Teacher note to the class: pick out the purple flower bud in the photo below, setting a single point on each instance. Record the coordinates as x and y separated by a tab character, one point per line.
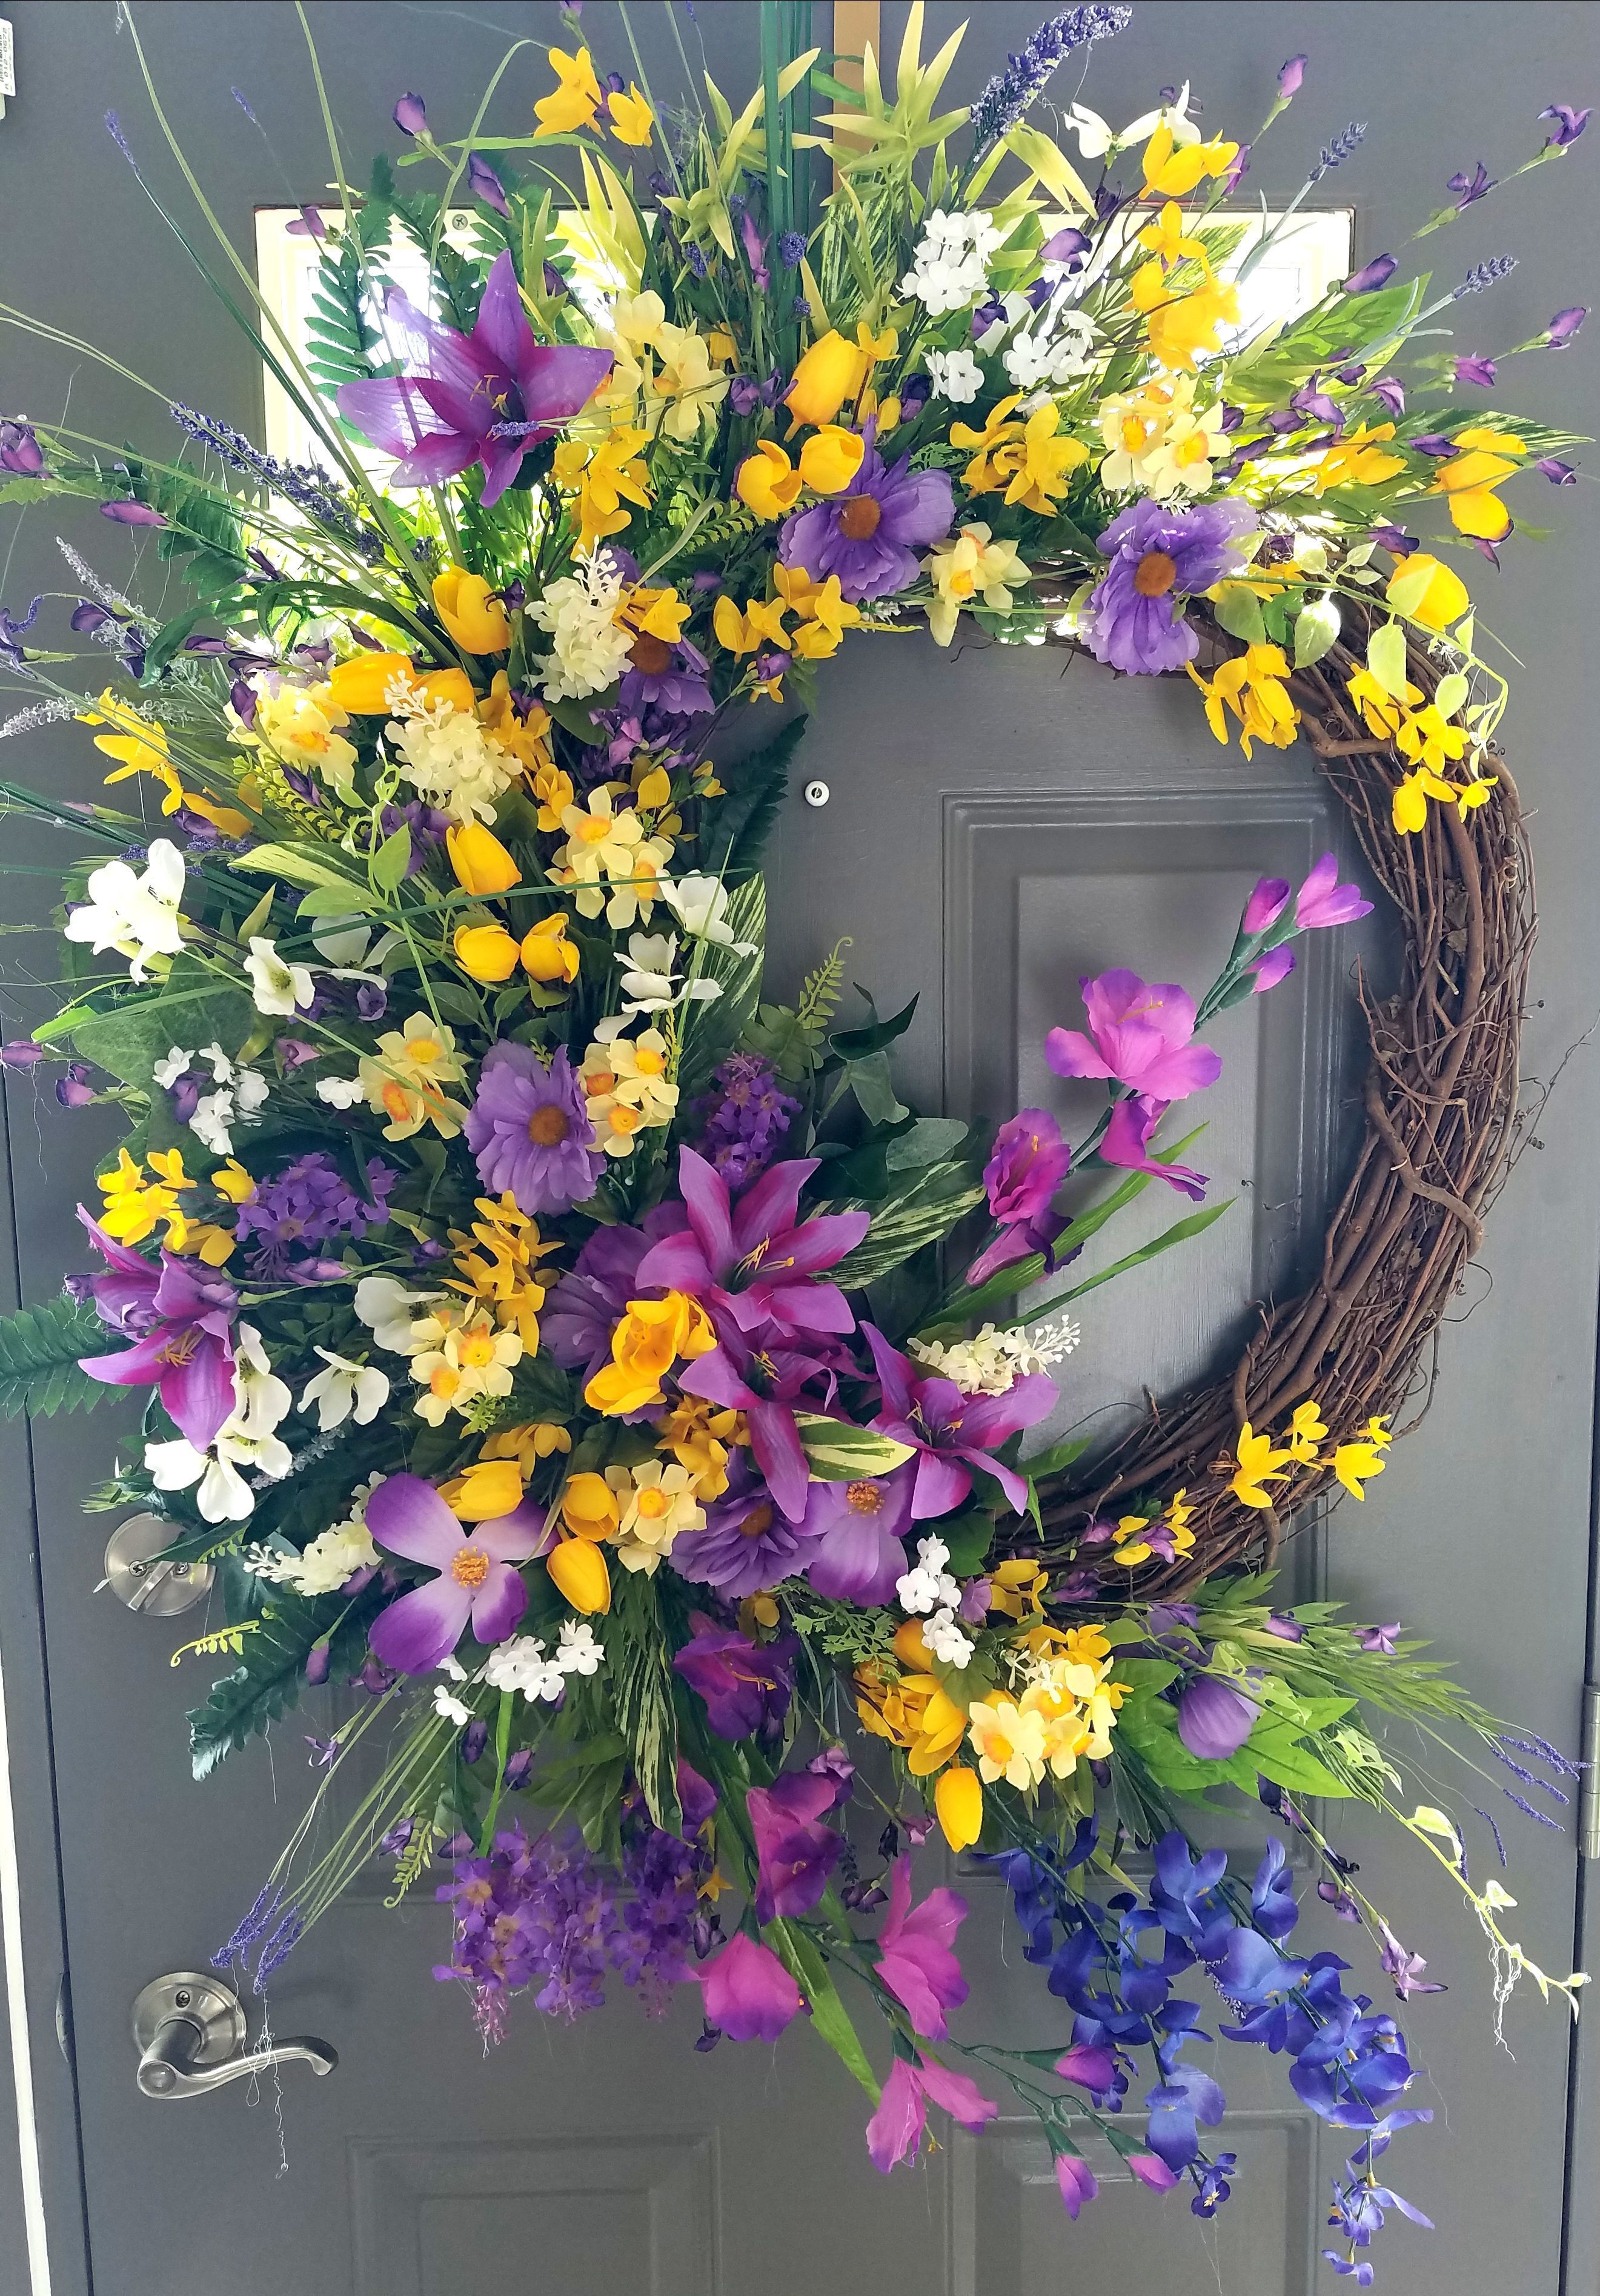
1066	248
518	1769
1214	1719
1233	418
20	450
318	1659
989	313
74	1089
474	1738
295	1053
243	700
554	284
1350	375
372	1000
974	1601
744	394
1395	539
484	185
308	224
1559	473
1564	325
1276	964
132	514
1471	188
1376	274
21	1052
1392	392
1431	442
1286	1629
410	115
755	250
1239	167
916	394
398	1838
1290	77
1077	1587
1568	124
1266	905
1478	371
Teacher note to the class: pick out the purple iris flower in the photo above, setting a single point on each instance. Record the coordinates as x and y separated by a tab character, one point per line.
668	676
746	1686
478	1578
953	1433
1564	325
916	1957
1159	554
530	1132
749	1262
747	1545
749	1994
1479	370
768	1383
1568	124
1321	900
1559	473
20	449
484	398
795	1851
1470	188
484	185
180	1319
410	115
1371	275
1142	1037
1030	1161
870	535
857	1527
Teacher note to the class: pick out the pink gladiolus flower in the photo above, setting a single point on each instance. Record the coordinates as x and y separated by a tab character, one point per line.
1141	1037
477	1575
896	2129
1150	2170
1323	901
916	1958
1076	2181
1266	905
1274	965
1126	1143
748	1994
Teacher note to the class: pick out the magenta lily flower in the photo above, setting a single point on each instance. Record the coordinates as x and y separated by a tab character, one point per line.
746	1686
952	1433
749	1262
1126	1143
484	398
767	1384
180	1317
477	1579
1321	900
917	1957
748	1994
1141	1037
795	1852
896	2129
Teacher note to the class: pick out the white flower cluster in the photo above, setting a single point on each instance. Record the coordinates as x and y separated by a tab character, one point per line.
950	269
1052	353
929	1592
240	1096
447	757
993	1362
590	647
331	1557
955	375
521	1664
137	916
246	1438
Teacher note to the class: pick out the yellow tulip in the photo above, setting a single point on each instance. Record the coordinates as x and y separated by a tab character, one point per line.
958	1803
481	863
478	622
485	952
451	685
589	1507
1444	600
768	481
360	684
828	375
644	1345
579	1572
831	459
485	1491
547	955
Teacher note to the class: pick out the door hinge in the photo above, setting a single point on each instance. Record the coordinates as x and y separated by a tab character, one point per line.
1588	1792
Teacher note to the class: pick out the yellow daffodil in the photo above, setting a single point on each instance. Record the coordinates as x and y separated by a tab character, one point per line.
604	848
1251	685
485	952
1306	1432
689	388
971	568
629	1089
548	955
1025	459
1357	460
139	746
768	481
761	624
831	458
958	1805
553	793
829	372
467	1362
575	102
1009	1742
578	1571
302	725
645	1344
528	738
404	1078
1258	1464
1180	330
481	863
655	1502
603	478
1174	169
474	616
630	117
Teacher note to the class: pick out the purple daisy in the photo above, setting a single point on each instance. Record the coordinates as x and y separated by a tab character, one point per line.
671	677
869	536
531	1131
1158	555
747	1545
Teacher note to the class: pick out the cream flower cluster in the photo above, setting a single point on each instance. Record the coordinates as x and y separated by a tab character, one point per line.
590	647
332	1557
446	756
992	1362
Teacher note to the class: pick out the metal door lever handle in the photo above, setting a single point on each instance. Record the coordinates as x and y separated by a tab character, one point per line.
190	2031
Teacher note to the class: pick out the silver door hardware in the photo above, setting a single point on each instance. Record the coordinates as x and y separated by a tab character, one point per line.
189	2030
160	1589
1588	1791
816	793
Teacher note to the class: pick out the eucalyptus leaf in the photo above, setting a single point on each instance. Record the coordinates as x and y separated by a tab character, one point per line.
1316	628
1386	658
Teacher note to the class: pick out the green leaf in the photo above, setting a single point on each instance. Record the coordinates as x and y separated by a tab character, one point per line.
857	1044
1239	611
840	1452
929	1141
1316	627
639	1660
1150	1727
1386	658
969	1537
1180	1231
921	1215
1275	1748
257	918
873	1087
267	1682
39	1351
302	864
739	826
191	1007
391	860
1056	1460
1451	692
802	1958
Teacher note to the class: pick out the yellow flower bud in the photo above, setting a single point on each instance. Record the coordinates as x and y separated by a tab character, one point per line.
579	1572
655	790
644	1345
481	863
485	952
768	481
477	623
958	1803
829	373
589	1507
831	459
909	1647
547	955
486	1490
451	685
359	686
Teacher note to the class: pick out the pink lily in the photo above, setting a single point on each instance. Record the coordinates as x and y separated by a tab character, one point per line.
1141	1037
916	1961
477	1575
180	1317
896	2129
750	1262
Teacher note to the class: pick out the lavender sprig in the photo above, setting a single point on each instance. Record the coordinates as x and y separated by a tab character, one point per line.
1009	94
1484	274
310	490
1341	148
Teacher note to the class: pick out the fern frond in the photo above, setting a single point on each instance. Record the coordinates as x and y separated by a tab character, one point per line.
821	991
40	1352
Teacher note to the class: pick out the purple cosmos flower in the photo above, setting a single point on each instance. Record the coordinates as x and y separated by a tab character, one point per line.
747	1545
746	1686
1471	188
20	449
1160	553
1141	1039
1371	275
749	1263
132	514
745	1115
180	1317
870	535
895	2130
1478	371
1568	124
857	1529
1559	473
1379	1639
529	1129
916	1958
410	115
1391	391
1564	325
1214	1719
795	1851
584	1307
1030	1161
768	1383
1269	898
952	1433
1291	76
748	1994
666	677
484	398
477	1575
1321	900
484	185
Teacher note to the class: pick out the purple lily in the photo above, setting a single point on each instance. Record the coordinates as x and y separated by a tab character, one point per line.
745	1686
767	1384
1382	1639
180	1317
795	1852
1404	1968
477	1579
585	1305
952	1433
1126	1144
484	398
858	1528
1141	1037
749	1263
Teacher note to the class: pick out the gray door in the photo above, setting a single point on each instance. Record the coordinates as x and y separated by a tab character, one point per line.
997	823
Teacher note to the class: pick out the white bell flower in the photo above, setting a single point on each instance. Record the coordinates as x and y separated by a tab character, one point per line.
699	904
135	915
276	986
344	1390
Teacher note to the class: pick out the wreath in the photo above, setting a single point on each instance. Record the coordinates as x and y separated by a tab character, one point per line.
566	1348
